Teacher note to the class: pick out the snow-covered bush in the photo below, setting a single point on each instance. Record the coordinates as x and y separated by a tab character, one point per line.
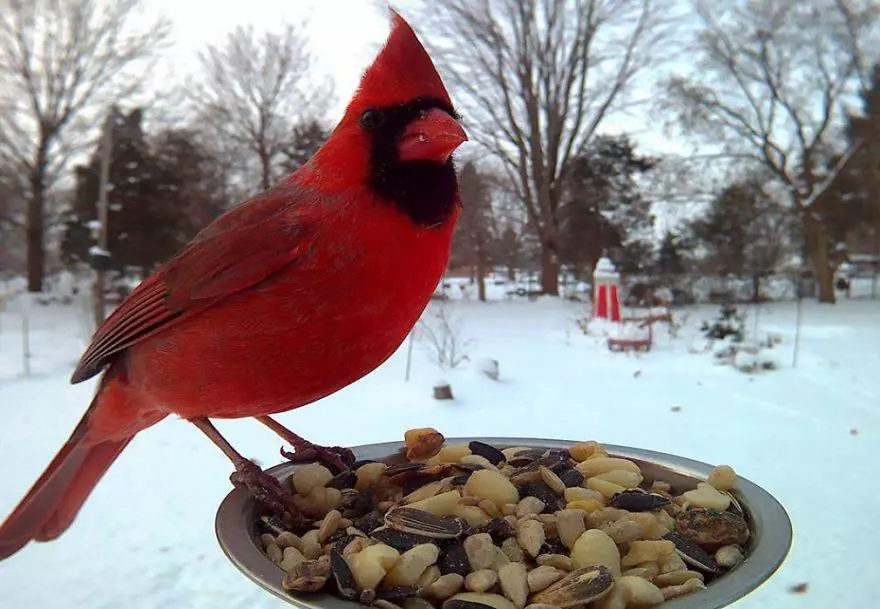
753	358
728	323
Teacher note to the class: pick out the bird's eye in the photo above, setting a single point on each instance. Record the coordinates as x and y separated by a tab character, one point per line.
371	119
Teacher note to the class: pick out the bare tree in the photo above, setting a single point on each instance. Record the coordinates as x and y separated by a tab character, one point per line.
771	82
59	61
538	79
473	234
252	91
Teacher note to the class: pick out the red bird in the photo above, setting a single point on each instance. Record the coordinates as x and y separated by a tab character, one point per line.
284	299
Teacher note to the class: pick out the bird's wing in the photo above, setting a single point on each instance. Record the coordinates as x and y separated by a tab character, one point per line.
241	248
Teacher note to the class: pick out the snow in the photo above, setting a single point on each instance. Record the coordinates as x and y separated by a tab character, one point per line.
145	537
489	367
745	360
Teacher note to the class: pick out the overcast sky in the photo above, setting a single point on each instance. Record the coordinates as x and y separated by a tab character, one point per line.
344	35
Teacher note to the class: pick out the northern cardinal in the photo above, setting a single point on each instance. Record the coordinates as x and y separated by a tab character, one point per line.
284	299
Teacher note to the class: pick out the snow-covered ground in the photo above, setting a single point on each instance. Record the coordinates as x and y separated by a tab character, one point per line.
145	538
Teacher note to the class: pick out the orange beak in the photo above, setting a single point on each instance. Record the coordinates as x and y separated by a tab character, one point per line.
431	137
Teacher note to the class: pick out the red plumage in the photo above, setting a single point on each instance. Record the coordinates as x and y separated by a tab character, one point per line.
283	300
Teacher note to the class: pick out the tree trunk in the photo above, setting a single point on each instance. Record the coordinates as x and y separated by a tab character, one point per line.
511	272
481	274
35	212
817	248
265	170
756	288
549	269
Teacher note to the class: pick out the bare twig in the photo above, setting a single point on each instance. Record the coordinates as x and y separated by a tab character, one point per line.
773	80
251	92
444	338
537	80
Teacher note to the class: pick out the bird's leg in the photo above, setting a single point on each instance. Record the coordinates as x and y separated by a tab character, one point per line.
337	458
264	488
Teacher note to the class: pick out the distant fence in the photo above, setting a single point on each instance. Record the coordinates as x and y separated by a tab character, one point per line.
698	288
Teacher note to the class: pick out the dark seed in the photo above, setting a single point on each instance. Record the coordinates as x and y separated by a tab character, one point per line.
456	603
406	466
365	503
343	480
399	540
489	452
736	507
555	462
637	500
692	554
553	545
414	485
454	560
540	490
469	468
499	528
370	522
397	593
461	479
342	575
273	525
519	462
337	536
524	457
571	477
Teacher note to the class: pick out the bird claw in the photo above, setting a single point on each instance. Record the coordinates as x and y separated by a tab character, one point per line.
337	458
267	490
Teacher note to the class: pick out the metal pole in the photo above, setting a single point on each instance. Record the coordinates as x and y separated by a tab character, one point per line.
755	328
106	149
874	280
26	344
797	328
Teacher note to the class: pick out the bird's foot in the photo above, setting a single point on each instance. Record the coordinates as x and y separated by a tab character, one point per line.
336	458
267	490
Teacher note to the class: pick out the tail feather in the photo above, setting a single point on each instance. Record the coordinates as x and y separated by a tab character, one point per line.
52	503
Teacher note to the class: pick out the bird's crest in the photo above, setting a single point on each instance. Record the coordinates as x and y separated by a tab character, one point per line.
401	72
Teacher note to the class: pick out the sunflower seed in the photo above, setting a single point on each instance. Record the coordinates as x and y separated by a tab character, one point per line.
692	554
342	575
409	520
582	586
